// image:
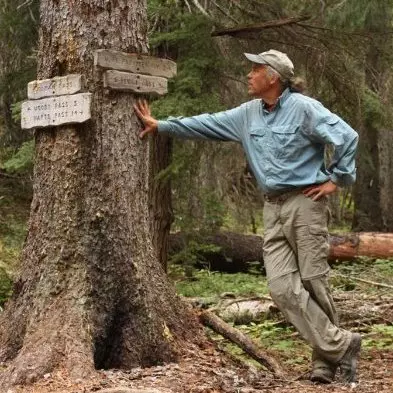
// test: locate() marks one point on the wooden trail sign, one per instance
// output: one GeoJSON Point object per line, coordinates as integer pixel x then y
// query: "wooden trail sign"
{"type": "Point", "coordinates": [117, 80]}
{"type": "Point", "coordinates": [132, 62]}
{"type": "Point", "coordinates": [57, 86]}
{"type": "Point", "coordinates": [74, 108]}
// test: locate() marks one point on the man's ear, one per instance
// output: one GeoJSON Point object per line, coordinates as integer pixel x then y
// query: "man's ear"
{"type": "Point", "coordinates": [274, 78]}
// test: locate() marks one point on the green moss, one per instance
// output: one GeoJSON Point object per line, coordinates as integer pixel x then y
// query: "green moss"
{"type": "Point", "coordinates": [208, 284]}
{"type": "Point", "coordinates": [270, 335]}
{"type": "Point", "coordinates": [380, 337]}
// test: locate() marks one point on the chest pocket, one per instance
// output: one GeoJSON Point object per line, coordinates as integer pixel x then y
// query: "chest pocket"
{"type": "Point", "coordinates": [259, 139]}
{"type": "Point", "coordinates": [285, 139]}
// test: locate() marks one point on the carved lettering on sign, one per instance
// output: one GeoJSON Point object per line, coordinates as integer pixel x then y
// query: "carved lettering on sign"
{"type": "Point", "coordinates": [54, 111]}
{"type": "Point", "coordinates": [59, 85]}
{"type": "Point", "coordinates": [136, 83]}
{"type": "Point", "coordinates": [133, 62]}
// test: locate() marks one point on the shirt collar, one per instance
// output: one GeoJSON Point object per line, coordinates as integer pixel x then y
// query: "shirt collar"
{"type": "Point", "coordinates": [284, 95]}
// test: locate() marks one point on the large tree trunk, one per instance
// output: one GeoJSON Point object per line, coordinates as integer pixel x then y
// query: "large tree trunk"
{"type": "Point", "coordinates": [92, 292]}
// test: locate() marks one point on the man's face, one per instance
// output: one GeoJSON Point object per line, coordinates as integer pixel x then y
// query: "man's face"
{"type": "Point", "coordinates": [260, 80]}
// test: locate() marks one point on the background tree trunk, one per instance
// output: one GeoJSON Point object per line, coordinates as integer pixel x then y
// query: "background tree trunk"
{"type": "Point", "coordinates": [374, 187]}
{"type": "Point", "coordinates": [160, 197]}
{"type": "Point", "coordinates": [91, 293]}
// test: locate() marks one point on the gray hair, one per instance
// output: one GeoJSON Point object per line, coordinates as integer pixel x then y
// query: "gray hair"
{"type": "Point", "coordinates": [272, 72]}
{"type": "Point", "coordinates": [295, 84]}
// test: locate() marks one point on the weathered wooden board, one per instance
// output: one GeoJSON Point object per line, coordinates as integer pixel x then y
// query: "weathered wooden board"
{"type": "Point", "coordinates": [118, 80]}
{"type": "Point", "coordinates": [54, 111]}
{"type": "Point", "coordinates": [57, 86]}
{"type": "Point", "coordinates": [133, 62]}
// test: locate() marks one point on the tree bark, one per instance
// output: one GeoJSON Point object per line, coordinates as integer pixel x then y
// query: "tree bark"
{"type": "Point", "coordinates": [92, 292]}
{"type": "Point", "coordinates": [238, 250]}
{"type": "Point", "coordinates": [160, 198]}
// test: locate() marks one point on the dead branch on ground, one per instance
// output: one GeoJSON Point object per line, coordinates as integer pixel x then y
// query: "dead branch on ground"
{"type": "Point", "coordinates": [244, 342]}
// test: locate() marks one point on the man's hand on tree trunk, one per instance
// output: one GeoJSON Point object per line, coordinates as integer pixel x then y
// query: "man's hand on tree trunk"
{"type": "Point", "coordinates": [142, 109]}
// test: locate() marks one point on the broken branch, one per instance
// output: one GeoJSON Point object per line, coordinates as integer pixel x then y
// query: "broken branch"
{"type": "Point", "coordinates": [259, 26]}
{"type": "Point", "coordinates": [244, 342]}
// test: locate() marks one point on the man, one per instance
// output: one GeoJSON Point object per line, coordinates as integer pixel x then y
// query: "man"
{"type": "Point", "coordinates": [284, 135]}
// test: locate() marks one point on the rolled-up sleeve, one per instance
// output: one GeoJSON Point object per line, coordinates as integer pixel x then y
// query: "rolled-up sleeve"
{"type": "Point", "coordinates": [222, 126]}
{"type": "Point", "coordinates": [331, 129]}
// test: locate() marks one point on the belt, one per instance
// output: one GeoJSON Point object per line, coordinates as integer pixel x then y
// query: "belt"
{"type": "Point", "coordinates": [282, 197]}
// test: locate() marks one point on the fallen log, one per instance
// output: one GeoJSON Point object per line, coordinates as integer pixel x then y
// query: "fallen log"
{"type": "Point", "coordinates": [245, 343]}
{"type": "Point", "coordinates": [361, 244]}
{"type": "Point", "coordinates": [237, 251]}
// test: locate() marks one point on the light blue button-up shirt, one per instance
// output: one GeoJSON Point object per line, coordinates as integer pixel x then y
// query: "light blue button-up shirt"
{"type": "Point", "coordinates": [284, 147]}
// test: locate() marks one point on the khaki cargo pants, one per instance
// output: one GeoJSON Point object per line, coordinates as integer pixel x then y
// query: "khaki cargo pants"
{"type": "Point", "coordinates": [295, 256]}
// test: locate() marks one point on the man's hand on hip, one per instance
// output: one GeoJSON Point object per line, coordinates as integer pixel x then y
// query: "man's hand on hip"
{"type": "Point", "coordinates": [142, 109]}
{"type": "Point", "coordinates": [317, 191]}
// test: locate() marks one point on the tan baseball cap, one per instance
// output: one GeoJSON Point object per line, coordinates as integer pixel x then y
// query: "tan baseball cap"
{"type": "Point", "coordinates": [275, 59]}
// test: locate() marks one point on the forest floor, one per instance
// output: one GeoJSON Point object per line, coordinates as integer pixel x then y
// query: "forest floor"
{"type": "Point", "coordinates": [212, 372]}
{"type": "Point", "coordinates": [223, 367]}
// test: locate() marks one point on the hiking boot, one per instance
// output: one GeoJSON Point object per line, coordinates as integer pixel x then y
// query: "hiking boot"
{"type": "Point", "coordinates": [349, 361]}
{"type": "Point", "coordinates": [323, 373]}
